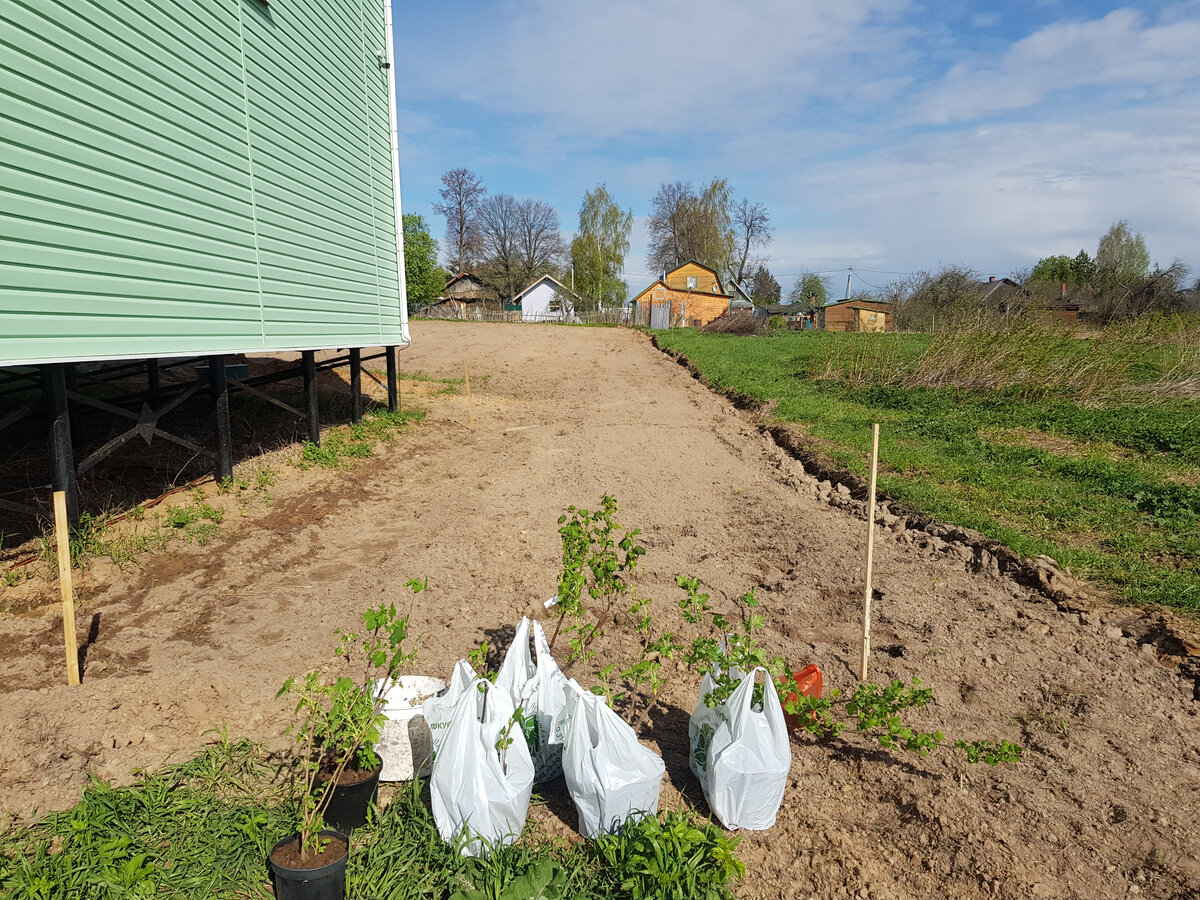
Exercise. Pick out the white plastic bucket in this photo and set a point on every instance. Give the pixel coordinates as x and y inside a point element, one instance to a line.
<point>405,744</point>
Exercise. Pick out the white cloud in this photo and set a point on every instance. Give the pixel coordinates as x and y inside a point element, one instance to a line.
<point>626,67</point>
<point>1001,197</point>
<point>1118,52</point>
<point>824,112</point>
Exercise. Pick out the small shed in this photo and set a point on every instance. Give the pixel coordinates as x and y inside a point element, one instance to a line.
<point>548,300</point>
<point>792,314</point>
<point>1064,313</point>
<point>466,288</point>
<point>463,293</point>
<point>856,315</point>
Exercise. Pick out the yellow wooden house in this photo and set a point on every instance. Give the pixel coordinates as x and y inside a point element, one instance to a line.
<point>691,294</point>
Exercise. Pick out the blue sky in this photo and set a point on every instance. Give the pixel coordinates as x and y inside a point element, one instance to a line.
<point>886,135</point>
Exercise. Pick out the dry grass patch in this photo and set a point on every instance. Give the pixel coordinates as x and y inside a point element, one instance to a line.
<point>1053,443</point>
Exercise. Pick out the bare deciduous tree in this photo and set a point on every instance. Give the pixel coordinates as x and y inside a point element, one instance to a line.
<point>1157,291</point>
<point>461,195</point>
<point>929,300</point>
<point>520,241</point>
<point>752,229</point>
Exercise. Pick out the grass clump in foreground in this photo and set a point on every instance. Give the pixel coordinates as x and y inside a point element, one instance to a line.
<point>204,828</point>
<point>1083,449</point>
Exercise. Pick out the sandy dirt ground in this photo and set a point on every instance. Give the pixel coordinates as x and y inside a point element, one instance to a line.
<point>1105,803</point>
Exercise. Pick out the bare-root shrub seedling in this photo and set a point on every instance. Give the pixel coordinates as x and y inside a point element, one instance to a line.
<point>875,710</point>
<point>598,563</point>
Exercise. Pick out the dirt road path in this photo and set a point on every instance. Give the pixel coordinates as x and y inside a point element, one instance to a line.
<point>1106,802</point>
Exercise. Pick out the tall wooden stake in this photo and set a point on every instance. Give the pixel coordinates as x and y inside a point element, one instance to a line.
<point>470,405</point>
<point>64,580</point>
<point>866,634</point>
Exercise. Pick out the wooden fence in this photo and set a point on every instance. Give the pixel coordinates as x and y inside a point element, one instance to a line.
<point>470,314</point>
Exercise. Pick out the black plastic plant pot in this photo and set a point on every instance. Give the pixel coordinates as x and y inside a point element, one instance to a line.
<point>348,806</point>
<point>328,882</point>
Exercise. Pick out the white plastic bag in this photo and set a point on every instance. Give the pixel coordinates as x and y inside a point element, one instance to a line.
<point>438,710</point>
<point>741,756</point>
<point>538,686</point>
<point>479,791</point>
<point>611,777</point>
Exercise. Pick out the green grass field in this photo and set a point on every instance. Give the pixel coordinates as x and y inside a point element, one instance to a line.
<point>1087,451</point>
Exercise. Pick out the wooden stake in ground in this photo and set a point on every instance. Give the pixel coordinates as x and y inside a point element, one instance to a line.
<point>64,580</point>
<point>866,634</point>
<point>470,405</point>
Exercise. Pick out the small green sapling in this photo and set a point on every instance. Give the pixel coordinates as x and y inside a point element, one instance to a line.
<point>338,722</point>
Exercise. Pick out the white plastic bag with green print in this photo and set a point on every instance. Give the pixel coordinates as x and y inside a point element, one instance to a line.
<point>538,687</point>
<point>741,753</point>
<point>438,710</point>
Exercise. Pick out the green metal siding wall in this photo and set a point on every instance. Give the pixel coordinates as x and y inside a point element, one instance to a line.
<point>194,177</point>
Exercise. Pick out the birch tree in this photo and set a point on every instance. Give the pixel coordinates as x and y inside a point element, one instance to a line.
<point>598,251</point>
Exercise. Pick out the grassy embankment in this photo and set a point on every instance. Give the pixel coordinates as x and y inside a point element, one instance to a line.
<point>1086,450</point>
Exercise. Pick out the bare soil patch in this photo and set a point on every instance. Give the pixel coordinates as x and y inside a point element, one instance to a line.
<point>1106,802</point>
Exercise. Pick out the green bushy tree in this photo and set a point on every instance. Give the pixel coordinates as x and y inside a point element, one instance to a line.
<point>422,275</point>
<point>811,291</point>
<point>1122,257</point>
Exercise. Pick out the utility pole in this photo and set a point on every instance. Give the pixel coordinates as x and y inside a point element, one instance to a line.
<point>849,273</point>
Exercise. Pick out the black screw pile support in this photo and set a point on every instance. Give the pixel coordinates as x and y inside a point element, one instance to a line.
<point>392,388</point>
<point>355,385</point>
<point>309,365</point>
<point>218,388</point>
<point>62,453</point>
<point>153,382</point>
<point>72,381</point>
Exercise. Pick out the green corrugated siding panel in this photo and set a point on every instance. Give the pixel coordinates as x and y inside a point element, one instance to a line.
<point>126,224</point>
<point>375,30</point>
<point>316,236</point>
<point>129,221</point>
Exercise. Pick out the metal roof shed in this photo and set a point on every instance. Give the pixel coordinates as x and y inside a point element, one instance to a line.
<point>197,179</point>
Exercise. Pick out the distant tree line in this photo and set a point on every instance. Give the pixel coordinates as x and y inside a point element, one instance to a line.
<point>508,242</point>
<point>1118,282</point>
